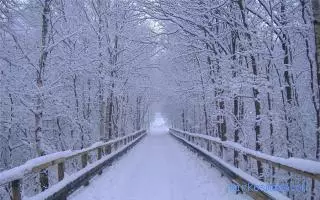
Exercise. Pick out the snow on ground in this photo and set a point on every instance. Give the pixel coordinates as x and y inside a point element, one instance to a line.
<point>158,168</point>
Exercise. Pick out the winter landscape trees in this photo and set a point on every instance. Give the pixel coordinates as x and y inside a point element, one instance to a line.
<point>247,73</point>
<point>72,72</point>
<point>75,72</point>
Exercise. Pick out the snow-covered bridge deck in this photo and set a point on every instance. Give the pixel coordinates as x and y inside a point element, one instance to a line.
<point>158,168</point>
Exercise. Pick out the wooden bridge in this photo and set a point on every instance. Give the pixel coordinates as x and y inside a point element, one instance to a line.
<point>74,169</point>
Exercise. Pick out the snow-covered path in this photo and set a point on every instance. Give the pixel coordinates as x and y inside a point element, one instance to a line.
<point>158,168</point>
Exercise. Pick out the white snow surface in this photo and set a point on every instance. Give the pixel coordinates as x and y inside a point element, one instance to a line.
<point>158,168</point>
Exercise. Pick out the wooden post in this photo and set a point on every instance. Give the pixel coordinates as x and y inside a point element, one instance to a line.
<point>16,189</point>
<point>221,151</point>
<point>209,147</point>
<point>108,149</point>
<point>84,160</point>
<point>115,146</point>
<point>60,171</point>
<point>99,153</point>
<point>44,180</point>
<point>236,159</point>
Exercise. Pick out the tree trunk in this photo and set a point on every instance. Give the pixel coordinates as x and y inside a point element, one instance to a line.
<point>101,72</point>
<point>255,90</point>
<point>316,15</point>
<point>183,121</point>
<point>40,73</point>
<point>203,96</point>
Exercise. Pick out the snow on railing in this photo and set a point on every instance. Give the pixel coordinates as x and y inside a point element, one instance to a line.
<point>13,177</point>
<point>207,144</point>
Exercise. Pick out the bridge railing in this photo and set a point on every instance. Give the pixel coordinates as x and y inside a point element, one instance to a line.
<point>13,179</point>
<point>222,153</point>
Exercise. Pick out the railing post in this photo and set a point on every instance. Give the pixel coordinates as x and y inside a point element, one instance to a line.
<point>16,189</point>
<point>44,180</point>
<point>209,146</point>
<point>99,153</point>
<point>236,158</point>
<point>108,149</point>
<point>116,145</point>
<point>84,160</point>
<point>99,157</point>
<point>60,171</point>
<point>221,151</point>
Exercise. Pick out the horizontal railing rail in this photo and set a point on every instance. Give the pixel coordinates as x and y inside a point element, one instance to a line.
<point>13,178</point>
<point>206,144</point>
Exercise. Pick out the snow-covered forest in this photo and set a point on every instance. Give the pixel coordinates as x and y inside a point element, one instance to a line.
<point>244,71</point>
<point>68,70</point>
<point>74,72</point>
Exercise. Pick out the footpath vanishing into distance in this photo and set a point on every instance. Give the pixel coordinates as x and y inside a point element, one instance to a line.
<point>158,168</point>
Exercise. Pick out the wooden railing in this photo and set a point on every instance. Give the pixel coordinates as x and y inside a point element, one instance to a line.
<point>98,155</point>
<point>216,152</point>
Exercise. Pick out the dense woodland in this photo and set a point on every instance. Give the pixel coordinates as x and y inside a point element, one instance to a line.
<point>73,72</point>
<point>246,71</point>
<point>68,70</point>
